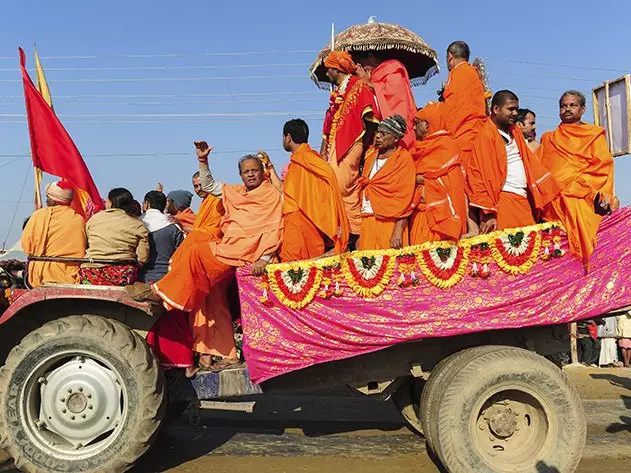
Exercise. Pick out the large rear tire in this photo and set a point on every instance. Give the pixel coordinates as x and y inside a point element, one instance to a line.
<point>510,410</point>
<point>82,393</point>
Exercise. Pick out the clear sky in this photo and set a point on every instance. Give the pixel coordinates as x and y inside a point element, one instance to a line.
<point>245,65</point>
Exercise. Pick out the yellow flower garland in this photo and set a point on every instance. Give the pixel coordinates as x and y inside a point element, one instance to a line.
<point>522,268</point>
<point>368,292</point>
<point>274,286</point>
<point>456,277</point>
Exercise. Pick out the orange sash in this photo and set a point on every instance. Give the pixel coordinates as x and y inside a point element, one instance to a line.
<point>391,190</point>
<point>311,187</point>
<point>487,169</point>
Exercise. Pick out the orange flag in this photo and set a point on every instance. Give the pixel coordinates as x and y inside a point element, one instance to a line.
<point>52,148</point>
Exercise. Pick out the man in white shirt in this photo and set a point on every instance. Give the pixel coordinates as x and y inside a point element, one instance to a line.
<point>506,182</point>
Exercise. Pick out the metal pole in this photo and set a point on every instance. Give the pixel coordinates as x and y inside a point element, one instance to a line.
<point>573,343</point>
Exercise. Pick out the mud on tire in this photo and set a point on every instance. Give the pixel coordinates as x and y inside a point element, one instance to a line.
<point>510,410</point>
<point>81,360</point>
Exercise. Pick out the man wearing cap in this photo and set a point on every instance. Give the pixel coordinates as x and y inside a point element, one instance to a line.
<point>55,231</point>
<point>179,207</point>
<point>388,183</point>
<point>349,124</point>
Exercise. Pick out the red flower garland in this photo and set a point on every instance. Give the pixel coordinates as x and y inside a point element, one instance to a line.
<point>369,283</point>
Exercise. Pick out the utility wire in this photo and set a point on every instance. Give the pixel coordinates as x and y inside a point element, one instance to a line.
<point>15,211</point>
<point>165,68</point>
<point>168,79</point>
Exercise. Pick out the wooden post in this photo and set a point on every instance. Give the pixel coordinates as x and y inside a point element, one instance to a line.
<point>574,343</point>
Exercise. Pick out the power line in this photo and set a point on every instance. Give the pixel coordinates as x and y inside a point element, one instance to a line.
<point>155,154</point>
<point>164,68</point>
<point>189,102</point>
<point>174,115</point>
<point>169,79</point>
<point>28,171</point>
<point>549,64</point>
<point>172,55</point>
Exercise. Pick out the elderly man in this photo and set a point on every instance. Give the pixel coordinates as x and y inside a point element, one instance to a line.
<point>55,231</point>
<point>578,156</point>
<point>526,120</point>
<point>313,206</point>
<point>506,181</point>
<point>388,184</point>
<point>440,204</point>
<point>252,227</point>
<point>390,81</point>
<point>349,124</point>
<point>179,207</point>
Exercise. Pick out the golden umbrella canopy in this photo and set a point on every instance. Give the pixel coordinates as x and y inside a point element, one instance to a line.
<point>390,41</point>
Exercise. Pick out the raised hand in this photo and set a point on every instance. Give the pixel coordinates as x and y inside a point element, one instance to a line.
<point>203,150</point>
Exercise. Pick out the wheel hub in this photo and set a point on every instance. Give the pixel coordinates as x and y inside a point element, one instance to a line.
<point>502,421</point>
<point>80,401</point>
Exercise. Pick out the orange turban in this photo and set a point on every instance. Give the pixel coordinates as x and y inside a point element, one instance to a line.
<point>431,113</point>
<point>340,60</point>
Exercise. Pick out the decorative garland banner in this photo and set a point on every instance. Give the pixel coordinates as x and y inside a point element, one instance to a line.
<point>306,313</point>
<point>444,264</point>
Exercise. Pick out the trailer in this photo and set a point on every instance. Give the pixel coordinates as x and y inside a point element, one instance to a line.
<point>459,336</point>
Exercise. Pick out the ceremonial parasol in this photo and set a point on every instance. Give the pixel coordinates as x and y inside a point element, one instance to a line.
<point>390,41</point>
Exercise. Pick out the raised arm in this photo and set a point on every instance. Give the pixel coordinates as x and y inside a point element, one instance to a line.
<point>205,176</point>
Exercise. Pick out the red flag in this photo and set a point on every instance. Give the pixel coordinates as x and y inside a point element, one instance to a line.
<point>52,148</point>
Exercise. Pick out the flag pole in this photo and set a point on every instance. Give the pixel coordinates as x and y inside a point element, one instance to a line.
<point>332,48</point>
<point>42,87</point>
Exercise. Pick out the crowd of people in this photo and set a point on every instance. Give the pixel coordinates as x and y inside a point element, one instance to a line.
<point>387,175</point>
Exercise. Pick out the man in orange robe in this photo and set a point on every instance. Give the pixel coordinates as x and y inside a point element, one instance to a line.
<point>503,175</point>
<point>55,231</point>
<point>313,207</point>
<point>179,207</point>
<point>388,183</point>
<point>464,106</point>
<point>252,227</point>
<point>390,81</point>
<point>349,124</point>
<point>579,158</point>
<point>440,205</point>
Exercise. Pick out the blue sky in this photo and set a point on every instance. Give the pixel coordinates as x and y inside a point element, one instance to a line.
<point>135,132</point>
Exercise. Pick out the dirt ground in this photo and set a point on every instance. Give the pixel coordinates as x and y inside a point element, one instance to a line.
<point>354,435</point>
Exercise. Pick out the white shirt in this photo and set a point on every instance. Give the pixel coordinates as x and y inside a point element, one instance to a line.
<point>515,173</point>
<point>366,207</point>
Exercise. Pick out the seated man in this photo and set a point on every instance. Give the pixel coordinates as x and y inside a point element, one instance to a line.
<point>313,206</point>
<point>164,237</point>
<point>179,206</point>
<point>252,227</point>
<point>55,231</point>
<point>578,156</point>
<point>440,204</point>
<point>388,183</point>
<point>503,175</point>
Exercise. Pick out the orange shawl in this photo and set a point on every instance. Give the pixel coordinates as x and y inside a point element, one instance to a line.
<point>391,190</point>
<point>252,225</point>
<point>578,157</point>
<point>209,215</point>
<point>54,231</point>
<point>486,172</point>
<point>465,105</point>
<point>437,156</point>
<point>394,95</point>
<point>311,187</point>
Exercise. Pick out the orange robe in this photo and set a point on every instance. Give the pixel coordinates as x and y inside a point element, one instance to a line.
<point>443,213</point>
<point>390,192</point>
<point>344,131</point>
<point>186,218</point>
<point>252,227</point>
<point>54,231</point>
<point>313,208</point>
<point>486,176</point>
<point>464,108</point>
<point>394,95</point>
<point>578,157</point>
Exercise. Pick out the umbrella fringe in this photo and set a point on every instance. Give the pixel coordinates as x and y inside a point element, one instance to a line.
<point>431,72</point>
